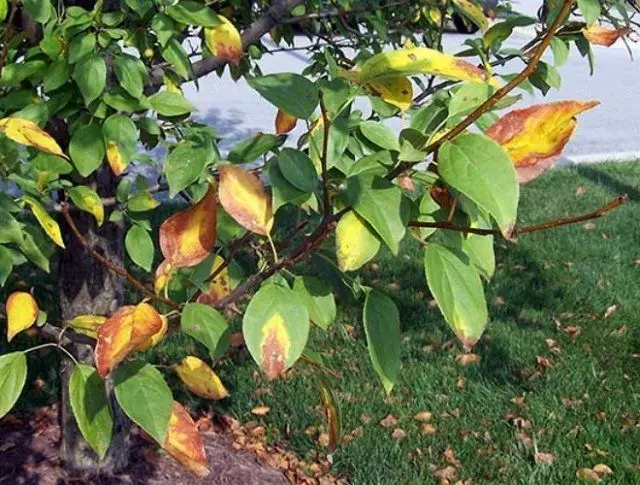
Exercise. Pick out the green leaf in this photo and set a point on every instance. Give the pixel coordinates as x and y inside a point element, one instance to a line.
<point>81,46</point>
<point>380,203</point>
<point>36,247</point>
<point>145,397</point>
<point>292,93</point>
<point>141,7</point>
<point>139,247</point>
<point>590,10</point>
<point>142,202</point>
<point>468,97</point>
<point>13,375</point>
<point>184,165</point>
<point>252,148</point>
<point>457,289</point>
<point>45,162</point>
<point>87,149</point>
<point>131,73</point>
<point>122,130</point>
<point>382,328</point>
<point>480,251</point>
<point>88,200</point>
<point>174,54</point>
<point>426,120</point>
<point>380,134</point>
<point>208,327</point>
<point>41,11</point>
<point>317,297</point>
<point>482,170</point>
<point>298,169</point>
<point>282,191</point>
<point>275,328</point>
<point>6,265</point>
<point>192,13</point>
<point>91,76</point>
<point>90,407</point>
<point>57,75</point>
<point>4,8</point>
<point>14,74</point>
<point>170,104</point>
<point>560,51</point>
<point>338,142</point>
<point>10,230</point>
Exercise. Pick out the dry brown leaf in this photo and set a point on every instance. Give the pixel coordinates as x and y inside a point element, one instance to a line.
<point>610,311</point>
<point>398,434</point>
<point>423,417</point>
<point>450,457</point>
<point>324,439</point>
<point>428,429</point>
<point>261,410</point>
<point>389,421</point>
<point>460,383</point>
<point>447,473</point>
<point>588,474</point>
<point>589,226</point>
<point>524,439</point>
<point>581,191</point>
<point>601,469</point>
<point>467,359</point>
<point>544,458</point>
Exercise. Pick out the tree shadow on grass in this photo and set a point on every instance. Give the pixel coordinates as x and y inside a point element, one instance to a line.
<point>603,178</point>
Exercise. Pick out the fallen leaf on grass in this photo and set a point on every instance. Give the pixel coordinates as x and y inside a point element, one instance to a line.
<point>610,311</point>
<point>261,410</point>
<point>589,226</point>
<point>389,421</point>
<point>524,439</point>
<point>544,458</point>
<point>428,429</point>
<point>445,474</point>
<point>588,474</point>
<point>450,457</point>
<point>423,417</point>
<point>467,359</point>
<point>581,191</point>
<point>601,469</point>
<point>398,434</point>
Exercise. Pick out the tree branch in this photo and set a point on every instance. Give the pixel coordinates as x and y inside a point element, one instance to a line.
<point>563,221</point>
<point>323,158</point>
<point>498,95</point>
<point>275,15</point>
<point>119,270</point>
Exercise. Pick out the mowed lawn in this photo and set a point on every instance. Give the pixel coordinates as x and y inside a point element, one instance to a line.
<point>552,387</point>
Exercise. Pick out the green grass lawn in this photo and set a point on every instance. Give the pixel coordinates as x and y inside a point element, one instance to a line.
<point>554,375</point>
<point>583,404</point>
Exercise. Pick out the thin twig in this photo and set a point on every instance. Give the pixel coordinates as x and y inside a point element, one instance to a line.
<point>323,157</point>
<point>563,221</point>
<point>498,95</point>
<point>324,368</point>
<point>118,270</point>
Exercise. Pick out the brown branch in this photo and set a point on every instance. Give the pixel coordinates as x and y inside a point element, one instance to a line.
<point>324,368</point>
<point>119,270</point>
<point>323,158</point>
<point>65,336</point>
<point>498,95</point>
<point>276,14</point>
<point>543,226</point>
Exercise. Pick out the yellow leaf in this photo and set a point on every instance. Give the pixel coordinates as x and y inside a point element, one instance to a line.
<point>87,324</point>
<point>244,198</point>
<point>535,136</point>
<point>473,12</point>
<point>87,200</point>
<point>172,83</point>
<point>596,34</point>
<point>285,122</point>
<point>187,238</point>
<point>355,243</point>
<point>200,378</point>
<point>28,133</point>
<point>164,272</point>
<point>223,40</point>
<point>156,337</point>
<point>421,60</point>
<point>220,286</point>
<point>50,226</point>
<point>22,312</point>
<point>434,15</point>
<point>397,91</point>
<point>183,441</point>
<point>114,157</point>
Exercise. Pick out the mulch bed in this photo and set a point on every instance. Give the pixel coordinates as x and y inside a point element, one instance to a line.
<point>237,456</point>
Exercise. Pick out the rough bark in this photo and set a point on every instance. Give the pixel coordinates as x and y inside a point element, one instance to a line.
<point>89,288</point>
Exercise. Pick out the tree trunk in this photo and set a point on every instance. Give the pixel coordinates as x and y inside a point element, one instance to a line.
<point>87,287</point>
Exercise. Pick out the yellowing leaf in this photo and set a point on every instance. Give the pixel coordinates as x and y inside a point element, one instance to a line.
<point>163,275</point>
<point>124,332</point>
<point>355,242</point>
<point>244,198</point>
<point>596,34</point>
<point>183,441</point>
<point>220,286</point>
<point>88,200</point>
<point>421,60</point>
<point>223,40</point>
<point>87,324</point>
<point>187,238</point>
<point>285,122</point>
<point>156,337</point>
<point>397,91</point>
<point>50,226</point>
<point>200,378</point>
<point>473,12</point>
<point>115,158</point>
<point>535,136</point>
<point>28,133</point>
<point>22,312</point>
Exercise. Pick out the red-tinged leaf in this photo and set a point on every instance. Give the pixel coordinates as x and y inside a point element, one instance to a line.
<point>127,330</point>
<point>285,122</point>
<point>184,443</point>
<point>187,238</point>
<point>223,40</point>
<point>220,286</point>
<point>244,198</point>
<point>596,34</point>
<point>535,136</point>
<point>22,312</point>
